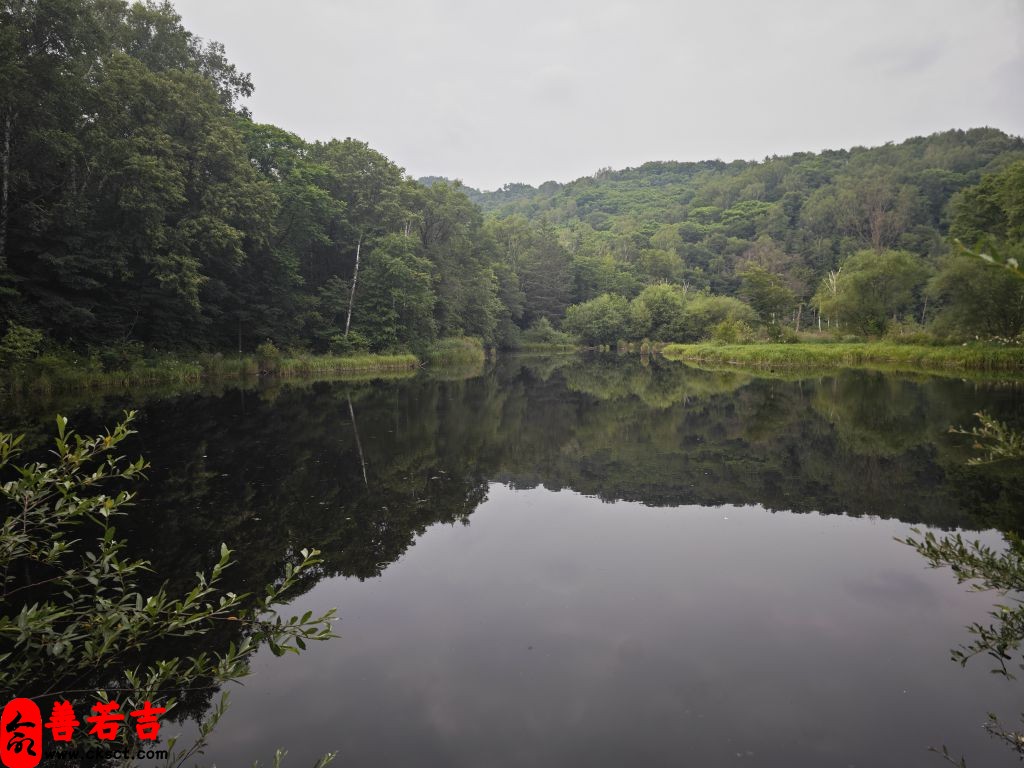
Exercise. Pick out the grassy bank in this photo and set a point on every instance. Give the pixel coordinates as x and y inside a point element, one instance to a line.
<point>457,351</point>
<point>64,373</point>
<point>546,348</point>
<point>974,357</point>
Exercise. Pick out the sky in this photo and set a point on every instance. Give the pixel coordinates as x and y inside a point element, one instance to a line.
<point>494,92</point>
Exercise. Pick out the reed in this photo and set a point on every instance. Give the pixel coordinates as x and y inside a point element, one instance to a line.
<point>456,351</point>
<point>66,372</point>
<point>970,357</point>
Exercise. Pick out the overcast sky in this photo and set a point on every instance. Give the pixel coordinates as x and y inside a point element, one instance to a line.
<point>530,90</point>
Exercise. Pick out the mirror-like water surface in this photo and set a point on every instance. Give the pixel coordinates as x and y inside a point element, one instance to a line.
<point>590,562</point>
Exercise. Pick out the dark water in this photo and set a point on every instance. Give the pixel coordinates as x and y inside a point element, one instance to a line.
<point>591,562</point>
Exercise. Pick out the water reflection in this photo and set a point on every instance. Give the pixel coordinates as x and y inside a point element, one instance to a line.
<point>363,470</point>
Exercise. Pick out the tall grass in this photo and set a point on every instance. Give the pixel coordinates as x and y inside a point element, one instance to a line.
<point>316,365</point>
<point>65,372</point>
<point>545,347</point>
<point>456,351</point>
<point>978,357</point>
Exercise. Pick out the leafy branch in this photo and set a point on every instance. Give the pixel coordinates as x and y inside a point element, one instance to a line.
<point>73,598</point>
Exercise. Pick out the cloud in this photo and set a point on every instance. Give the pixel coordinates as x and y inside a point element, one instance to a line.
<point>494,92</point>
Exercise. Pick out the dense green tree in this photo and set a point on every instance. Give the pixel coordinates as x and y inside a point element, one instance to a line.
<point>766,293</point>
<point>658,312</point>
<point>991,210</point>
<point>397,300</point>
<point>975,298</point>
<point>139,203</point>
<point>871,289</point>
<point>452,237</point>
<point>603,320</point>
<point>972,297</point>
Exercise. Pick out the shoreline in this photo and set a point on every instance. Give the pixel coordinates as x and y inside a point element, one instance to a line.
<point>879,356</point>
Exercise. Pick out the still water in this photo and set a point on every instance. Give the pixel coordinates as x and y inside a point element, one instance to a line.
<point>590,561</point>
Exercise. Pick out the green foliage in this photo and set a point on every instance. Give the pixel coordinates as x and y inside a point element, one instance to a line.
<point>169,218</point>
<point>987,569</point>
<point>396,304</point>
<point>766,293</point>
<point>732,331</point>
<point>600,321</point>
<point>696,223</point>
<point>975,299</point>
<point>999,442</point>
<point>704,312</point>
<point>543,332</point>
<point>872,289</point>
<point>781,334</point>
<point>455,351</point>
<point>824,356</point>
<point>18,346</point>
<point>658,312</point>
<point>268,357</point>
<point>79,607</point>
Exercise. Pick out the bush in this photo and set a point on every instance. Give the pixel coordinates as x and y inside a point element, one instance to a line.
<point>352,344</point>
<point>19,346</point>
<point>732,331</point>
<point>909,333</point>
<point>465,349</point>
<point>781,334</point>
<point>543,332</point>
<point>268,357</point>
<point>122,356</point>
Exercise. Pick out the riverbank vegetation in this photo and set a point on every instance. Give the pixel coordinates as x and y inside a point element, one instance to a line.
<point>977,357</point>
<point>143,207</point>
<point>67,371</point>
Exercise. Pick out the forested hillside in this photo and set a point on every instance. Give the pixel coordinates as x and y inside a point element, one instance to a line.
<point>777,235</point>
<point>143,207</point>
<point>141,203</point>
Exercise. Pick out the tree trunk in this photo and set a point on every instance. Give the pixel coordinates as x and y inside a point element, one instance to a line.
<point>5,172</point>
<point>799,311</point>
<point>352,296</point>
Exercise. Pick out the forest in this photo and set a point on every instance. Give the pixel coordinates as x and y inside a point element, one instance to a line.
<point>144,211</point>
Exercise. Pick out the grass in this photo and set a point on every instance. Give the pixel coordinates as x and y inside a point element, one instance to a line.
<point>546,347</point>
<point>66,372</point>
<point>318,365</point>
<point>971,357</point>
<point>456,351</point>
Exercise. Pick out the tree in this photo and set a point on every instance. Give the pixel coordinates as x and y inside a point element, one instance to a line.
<point>603,320</point>
<point>766,293</point>
<point>398,297</point>
<point>973,298</point>
<point>369,186</point>
<point>658,312</point>
<point>872,288</point>
<point>452,238</point>
<point>545,275</point>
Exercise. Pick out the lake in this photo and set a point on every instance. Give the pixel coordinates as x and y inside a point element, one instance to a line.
<point>588,561</point>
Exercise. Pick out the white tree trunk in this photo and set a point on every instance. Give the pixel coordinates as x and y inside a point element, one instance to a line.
<point>352,296</point>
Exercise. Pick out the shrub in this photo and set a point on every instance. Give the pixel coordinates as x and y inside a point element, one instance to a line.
<point>120,356</point>
<point>18,346</point>
<point>465,349</point>
<point>781,334</point>
<point>543,332</point>
<point>352,344</point>
<point>268,357</point>
<point>74,611</point>
<point>732,331</point>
